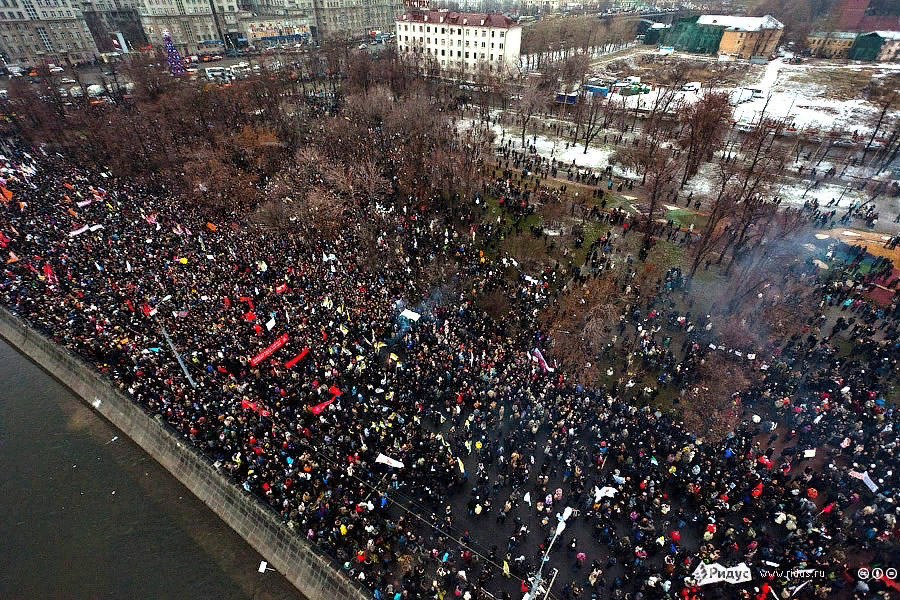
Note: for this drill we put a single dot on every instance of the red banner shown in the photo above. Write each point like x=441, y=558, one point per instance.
x=270, y=350
x=318, y=408
x=296, y=359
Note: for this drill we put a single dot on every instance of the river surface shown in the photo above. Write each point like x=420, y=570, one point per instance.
x=86, y=514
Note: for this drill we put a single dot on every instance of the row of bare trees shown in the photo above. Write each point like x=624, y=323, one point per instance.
x=555, y=39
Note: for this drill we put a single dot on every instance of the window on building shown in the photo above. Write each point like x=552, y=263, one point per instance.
x=428, y=29
x=458, y=54
x=482, y=44
x=442, y=30
x=442, y=53
x=501, y=46
x=467, y=55
x=502, y=33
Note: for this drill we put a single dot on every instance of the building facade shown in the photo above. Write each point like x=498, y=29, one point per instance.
x=738, y=37
x=746, y=37
x=114, y=24
x=34, y=33
x=355, y=18
x=882, y=46
x=462, y=42
x=834, y=44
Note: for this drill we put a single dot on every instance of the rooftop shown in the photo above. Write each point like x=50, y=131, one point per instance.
x=888, y=35
x=741, y=23
x=835, y=35
x=460, y=18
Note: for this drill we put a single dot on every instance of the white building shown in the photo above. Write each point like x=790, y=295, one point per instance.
x=461, y=41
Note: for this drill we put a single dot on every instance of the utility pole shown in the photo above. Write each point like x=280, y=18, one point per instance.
x=178, y=358
x=536, y=581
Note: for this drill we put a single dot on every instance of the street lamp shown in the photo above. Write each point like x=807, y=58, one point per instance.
x=560, y=527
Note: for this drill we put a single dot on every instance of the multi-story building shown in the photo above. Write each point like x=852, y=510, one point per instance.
x=193, y=24
x=738, y=37
x=354, y=18
x=746, y=37
x=460, y=41
x=34, y=33
x=883, y=46
x=114, y=24
x=830, y=44
x=529, y=7
x=259, y=29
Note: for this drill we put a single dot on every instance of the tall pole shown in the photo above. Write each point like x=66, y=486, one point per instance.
x=178, y=358
x=536, y=581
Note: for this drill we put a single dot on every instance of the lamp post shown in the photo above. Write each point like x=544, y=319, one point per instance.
x=536, y=580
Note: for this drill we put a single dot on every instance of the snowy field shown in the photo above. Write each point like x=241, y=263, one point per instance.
x=552, y=147
x=802, y=104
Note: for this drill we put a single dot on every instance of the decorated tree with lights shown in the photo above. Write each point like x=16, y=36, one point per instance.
x=176, y=66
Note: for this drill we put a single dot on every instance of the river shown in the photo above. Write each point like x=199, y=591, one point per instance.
x=88, y=514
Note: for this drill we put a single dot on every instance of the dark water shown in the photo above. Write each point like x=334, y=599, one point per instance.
x=82, y=516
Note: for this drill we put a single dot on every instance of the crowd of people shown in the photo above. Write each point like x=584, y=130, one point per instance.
x=431, y=449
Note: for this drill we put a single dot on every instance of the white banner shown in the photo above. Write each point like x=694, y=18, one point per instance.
x=387, y=460
x=412, y=316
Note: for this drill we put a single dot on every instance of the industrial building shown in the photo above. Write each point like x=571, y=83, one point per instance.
x=737, y=37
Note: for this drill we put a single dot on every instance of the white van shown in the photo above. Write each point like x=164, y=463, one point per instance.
x=693, y=86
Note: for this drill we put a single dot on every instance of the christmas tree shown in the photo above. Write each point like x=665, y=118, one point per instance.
x=172, y=55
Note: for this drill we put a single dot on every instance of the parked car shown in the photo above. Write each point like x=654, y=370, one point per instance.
x=56, y=70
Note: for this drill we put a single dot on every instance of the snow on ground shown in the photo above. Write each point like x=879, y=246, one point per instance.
x=792, y=195
x=595, y=158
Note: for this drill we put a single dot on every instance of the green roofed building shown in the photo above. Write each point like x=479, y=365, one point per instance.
x=689, y=36
x=877, y=45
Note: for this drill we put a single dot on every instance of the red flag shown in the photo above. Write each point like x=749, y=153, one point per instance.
x=279, y=290
x=3, y=240
x=249, y=316
x=318, y=408
x=246, y=404
x=147, y=310
x=296, y=359
x=48, y=273
x=758, y=490
x=890, y=582
x=227, y=302
x=334, y=392
x=828, y=508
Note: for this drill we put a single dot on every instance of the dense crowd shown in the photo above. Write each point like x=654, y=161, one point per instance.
x=303, y=373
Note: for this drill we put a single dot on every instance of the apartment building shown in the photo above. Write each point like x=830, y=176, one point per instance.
x=460, y=41
x=34, y=32
x=830, y=44
x=354, y=18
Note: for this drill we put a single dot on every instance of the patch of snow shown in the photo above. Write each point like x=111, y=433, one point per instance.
x=595, y=158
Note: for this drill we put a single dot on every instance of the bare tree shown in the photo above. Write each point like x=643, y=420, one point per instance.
x=703, y=126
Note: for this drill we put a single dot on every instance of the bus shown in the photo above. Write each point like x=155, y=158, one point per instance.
x=217, y=73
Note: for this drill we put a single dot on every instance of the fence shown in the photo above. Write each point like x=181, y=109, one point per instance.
x=313, y=574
